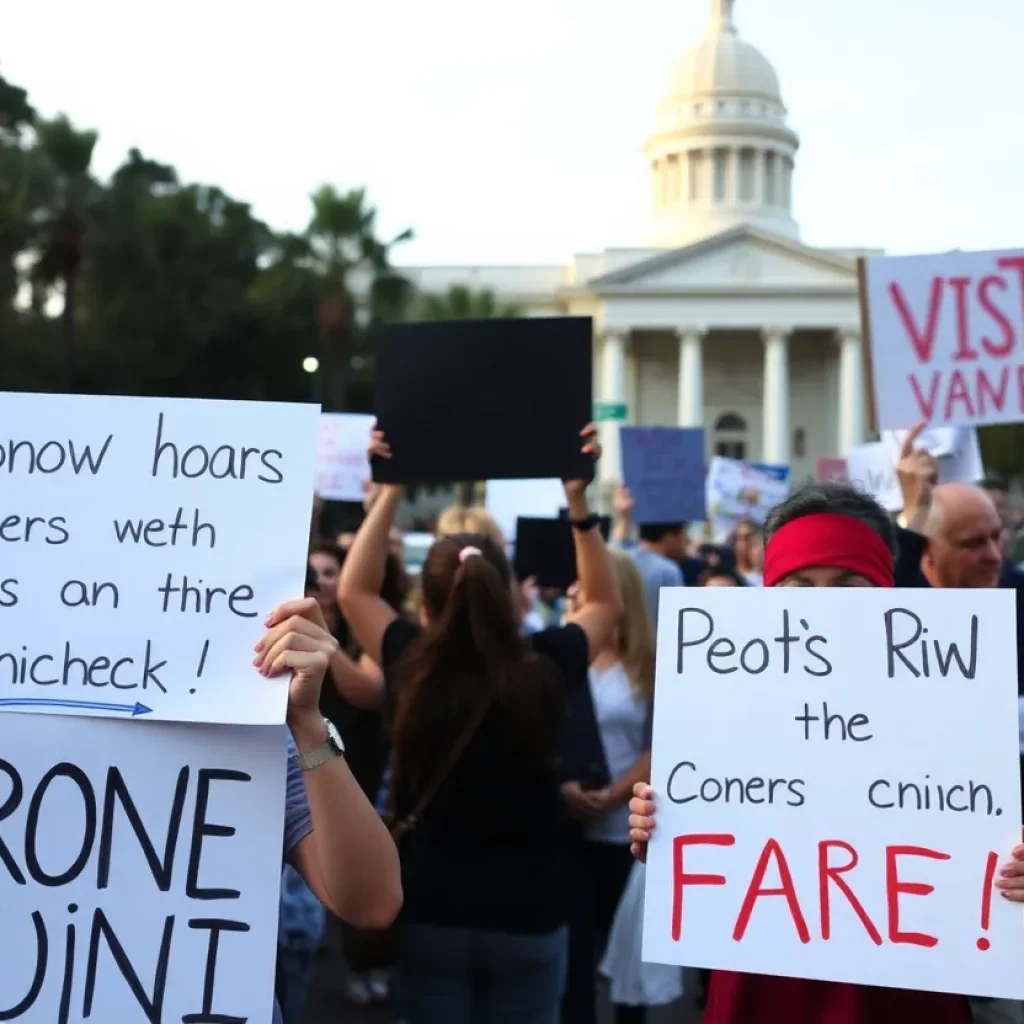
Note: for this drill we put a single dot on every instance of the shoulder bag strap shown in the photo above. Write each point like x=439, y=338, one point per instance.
x=406, y=824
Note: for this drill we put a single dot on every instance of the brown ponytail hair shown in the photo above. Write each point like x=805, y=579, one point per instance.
x=470, y=651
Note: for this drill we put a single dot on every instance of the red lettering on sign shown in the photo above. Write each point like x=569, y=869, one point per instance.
x=963, y=323
x=923, y=341
x=986, y=390
x=681, y=879
x=1003, y=348
x=834, y=873
x=894, y=888
x=756, y=890
x=966, y=394
x=1015, y=263
x=958, y=392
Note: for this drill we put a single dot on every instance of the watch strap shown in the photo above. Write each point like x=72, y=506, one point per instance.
x=587, y=523
x=331, y=748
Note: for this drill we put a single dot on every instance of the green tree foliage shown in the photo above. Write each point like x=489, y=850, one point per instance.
x=148, y=285
x=463, y=303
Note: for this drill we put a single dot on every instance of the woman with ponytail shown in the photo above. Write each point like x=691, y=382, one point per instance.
x=475, y=711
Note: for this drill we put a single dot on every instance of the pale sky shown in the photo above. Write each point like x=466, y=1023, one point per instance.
x=511, y=132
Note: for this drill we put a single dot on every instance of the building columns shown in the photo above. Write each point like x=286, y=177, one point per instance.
x=775, y=428
x=851, y=391
x=691, y=378
x=613, y=389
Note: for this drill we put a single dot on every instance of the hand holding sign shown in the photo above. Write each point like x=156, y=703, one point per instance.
x=298, y=640
x=918, y=473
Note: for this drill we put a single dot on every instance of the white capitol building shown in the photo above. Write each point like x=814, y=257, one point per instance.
x=726, y=320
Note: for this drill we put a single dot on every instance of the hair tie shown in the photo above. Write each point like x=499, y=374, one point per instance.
x=468, y=552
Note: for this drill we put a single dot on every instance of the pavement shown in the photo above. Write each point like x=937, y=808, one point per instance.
x=328, y=1005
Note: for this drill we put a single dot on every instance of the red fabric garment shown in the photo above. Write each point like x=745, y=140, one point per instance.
x=760, y=999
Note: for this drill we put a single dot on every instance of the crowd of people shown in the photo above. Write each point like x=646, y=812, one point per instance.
x=496, y=743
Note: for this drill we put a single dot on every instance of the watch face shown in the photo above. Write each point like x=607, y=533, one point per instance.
x=334, y=737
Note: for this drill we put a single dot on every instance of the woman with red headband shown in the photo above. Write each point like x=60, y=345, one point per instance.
x=823, y=535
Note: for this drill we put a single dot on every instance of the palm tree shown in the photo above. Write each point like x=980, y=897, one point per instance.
x=461, y=302
x=66, y=153
x=350, y=260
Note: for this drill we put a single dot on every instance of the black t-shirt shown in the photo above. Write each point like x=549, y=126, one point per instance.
x=486, y=853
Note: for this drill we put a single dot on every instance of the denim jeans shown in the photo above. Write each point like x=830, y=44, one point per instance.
x=474, y=976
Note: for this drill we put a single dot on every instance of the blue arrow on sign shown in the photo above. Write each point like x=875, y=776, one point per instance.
x=86, y=705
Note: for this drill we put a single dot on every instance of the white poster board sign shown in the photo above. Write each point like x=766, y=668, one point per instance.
x=872, y=467
x=342, y=468
x=736, y=490
x=150, y=856
x=507, y=500
x=836, y=775
x=144, y=542
x=947, y=338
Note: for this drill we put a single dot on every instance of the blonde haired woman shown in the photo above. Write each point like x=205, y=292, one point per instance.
x=456, y=520
x=599, y=862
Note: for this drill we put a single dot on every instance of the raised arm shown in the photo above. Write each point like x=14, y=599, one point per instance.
x=360, y=683
x=368, y=615
x=600, y=612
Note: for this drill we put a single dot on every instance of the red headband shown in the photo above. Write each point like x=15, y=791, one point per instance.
x=836, y=541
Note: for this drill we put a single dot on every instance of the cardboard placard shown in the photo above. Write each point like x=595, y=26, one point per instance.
x=947, y=336
x=664, y=469
x=144, y=542
x=837, y=782
x=484, y=399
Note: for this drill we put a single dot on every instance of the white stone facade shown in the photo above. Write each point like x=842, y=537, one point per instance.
x=726, y=320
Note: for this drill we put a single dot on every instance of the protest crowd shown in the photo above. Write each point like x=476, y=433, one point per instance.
x=630, y=640
x=499, y=719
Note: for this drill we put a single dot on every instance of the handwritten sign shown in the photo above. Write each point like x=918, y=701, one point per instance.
x=143, y=543
x=738, y=490
x=947, y=337
x=663, y=467
x=142, y=867
x=871, y=467
x=837, y=781
x=872, y=470
x=342, y=468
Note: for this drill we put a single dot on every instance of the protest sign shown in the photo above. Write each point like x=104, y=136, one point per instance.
x=342, y=466
x=947, y=335
x=871, y=468
x=738, y=490
x=143, y=543
x=142, y=868
x=832, y=469
x=663, y=467
x=837, y=782
x=507, y=500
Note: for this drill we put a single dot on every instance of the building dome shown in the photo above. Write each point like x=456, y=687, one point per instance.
x=722, y=64
x=721, y=152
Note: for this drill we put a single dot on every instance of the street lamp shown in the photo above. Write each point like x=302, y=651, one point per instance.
x=311, y=365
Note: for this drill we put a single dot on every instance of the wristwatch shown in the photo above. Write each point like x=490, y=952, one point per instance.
x=586, y=524
x=331, y=748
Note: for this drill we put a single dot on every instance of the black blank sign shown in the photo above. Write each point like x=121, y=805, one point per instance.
x=484, y=399
x=546, y=550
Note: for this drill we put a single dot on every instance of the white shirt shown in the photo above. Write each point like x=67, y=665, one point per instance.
x=621, y=720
